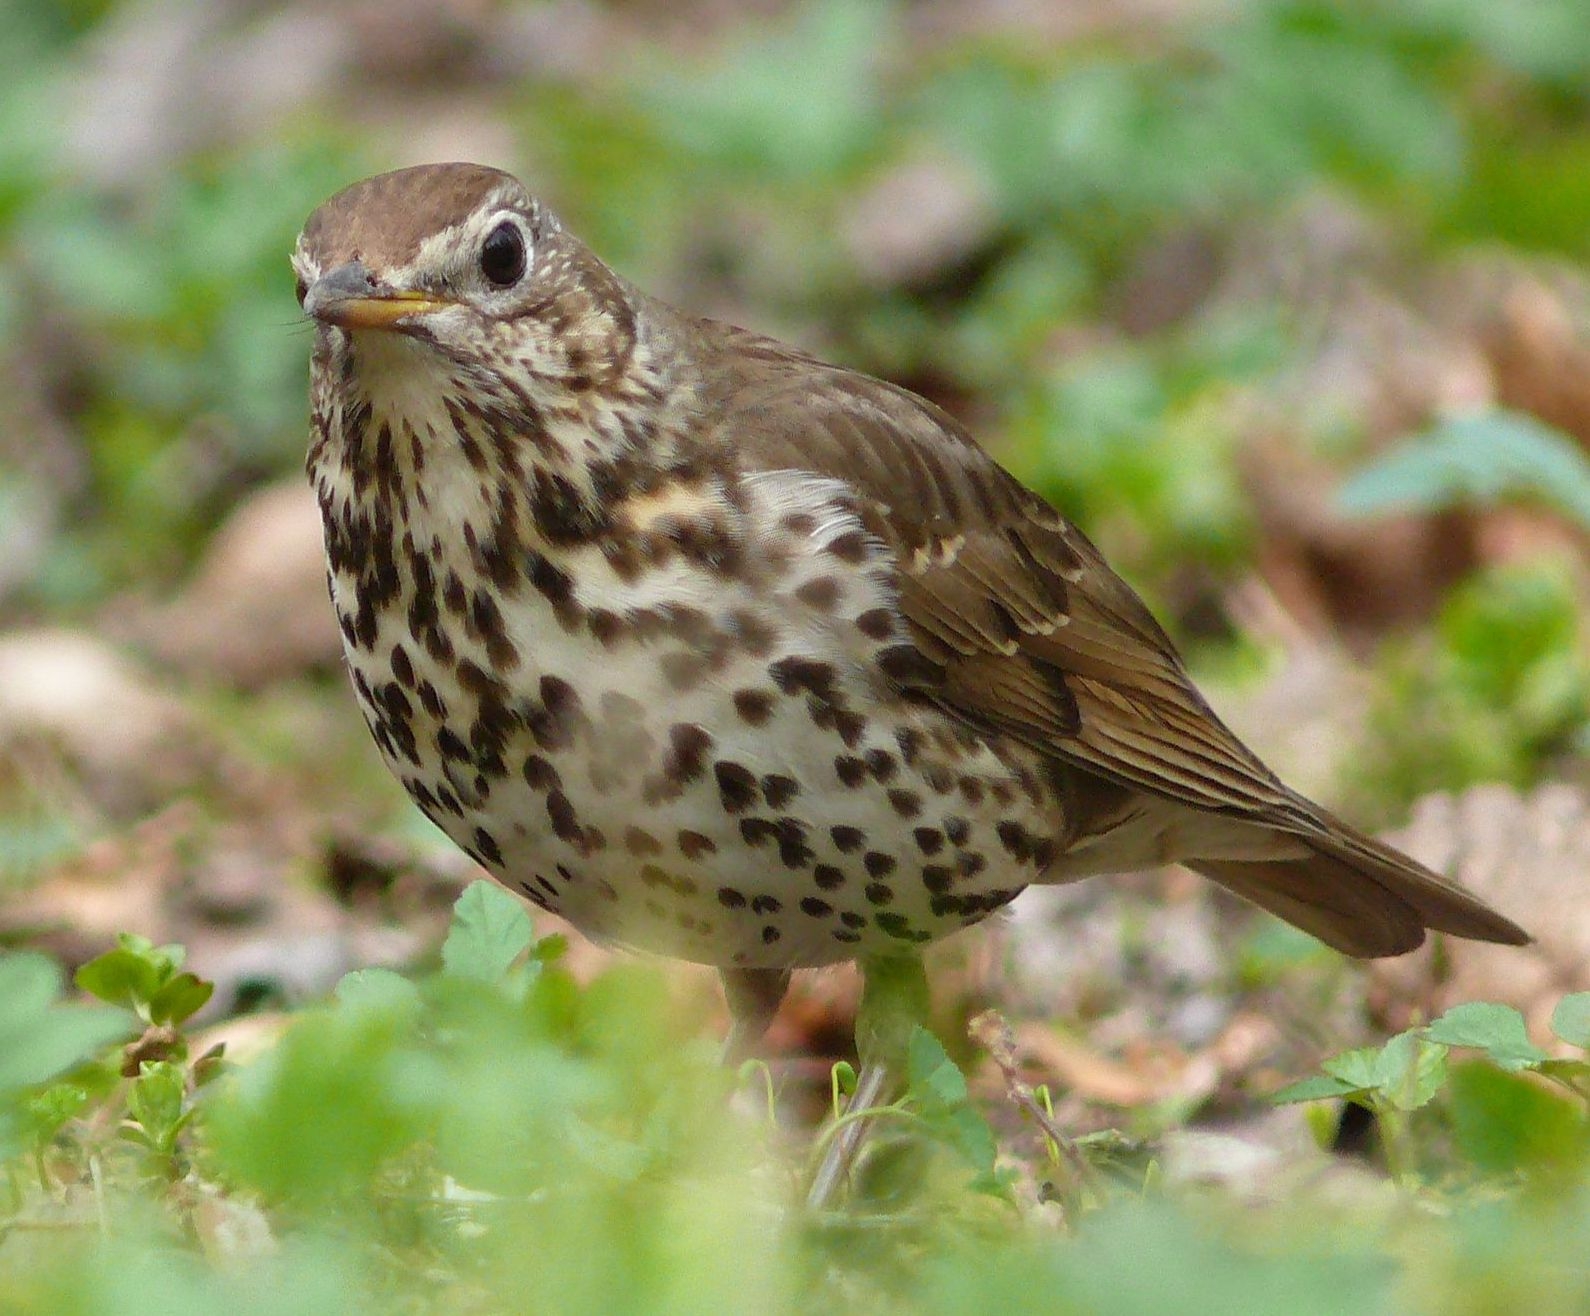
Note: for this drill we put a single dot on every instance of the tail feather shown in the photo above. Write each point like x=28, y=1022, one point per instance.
x=1361, y=896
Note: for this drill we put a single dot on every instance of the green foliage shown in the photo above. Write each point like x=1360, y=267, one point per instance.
x=40, y=1037
x=1132, y=448
x=1486, y=459
x=1501, y=688
x=145, y=978
x=493, y=1134
x=1520, y=1110
x=490, y=930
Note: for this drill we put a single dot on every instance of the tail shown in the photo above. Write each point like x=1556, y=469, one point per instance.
x=1360, y=896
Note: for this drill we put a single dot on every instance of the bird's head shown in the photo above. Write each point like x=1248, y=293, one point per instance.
x=456, y=271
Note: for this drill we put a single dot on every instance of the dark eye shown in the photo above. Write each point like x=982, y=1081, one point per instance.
x=502, y=254
x=301, y=289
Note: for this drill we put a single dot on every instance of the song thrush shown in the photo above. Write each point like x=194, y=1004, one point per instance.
x=724, y=652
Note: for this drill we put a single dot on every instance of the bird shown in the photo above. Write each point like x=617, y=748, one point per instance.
x=723, y=652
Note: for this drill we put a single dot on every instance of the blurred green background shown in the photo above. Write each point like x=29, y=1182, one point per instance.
x=1285, y=303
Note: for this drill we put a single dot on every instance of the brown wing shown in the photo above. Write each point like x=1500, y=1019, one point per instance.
x=1017, y=624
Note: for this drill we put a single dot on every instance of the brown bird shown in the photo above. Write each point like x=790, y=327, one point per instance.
x=721, y=651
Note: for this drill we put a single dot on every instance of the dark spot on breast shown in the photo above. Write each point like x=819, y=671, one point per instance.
x=897, y=926
x=821, y=593
x=778, y=790
x=755, y=636
x=766, y=905
x=846, y=838
x=801, y=524
x=540, y=775
x=1013, y=836
x=451, y=746
x=851, y=919
x=565, y=823
x=880, y=763
x=879, y=893
x=793, y=851
x=796, y=673
x=957, y=829
x=402, y=668
x=929, y=839
x=554, y=723
x=877, y=863
x=770, y=934
x=876, y=623
x=605, y=626
x=828, y=877
x=909, y=667
x=431, y=698
x=850, y=547
x=937, y=878
x=729, y=898
x=850, y=770
x=816, y=908
x=486, y=843
x=753, y=706
x=850, y=726
x=686, y=758
x=908, y=804
x=910, y=743
x=640, y=843
x=737, y=789
x=758, y=831
x=693, y=845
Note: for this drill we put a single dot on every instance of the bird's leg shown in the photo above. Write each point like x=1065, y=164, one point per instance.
x=753, y=996
x=894, y=1000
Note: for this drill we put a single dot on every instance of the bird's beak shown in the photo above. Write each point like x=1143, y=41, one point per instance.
x=350, y=297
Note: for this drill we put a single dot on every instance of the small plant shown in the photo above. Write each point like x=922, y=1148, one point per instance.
x=1517, y=1109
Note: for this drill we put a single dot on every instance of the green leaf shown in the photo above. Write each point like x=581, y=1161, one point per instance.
x=931, y=1075
x=183, y=996
x=122, y=976
x=1409, y=1071
x=40, y=1038
x=1359, y=1069
x=1504, y=1121
x=490, y=930
x=968, y=1132
x=156, y=1100
x=377, y=989
x=1321, y=1087
x=1571, y=1019
x=1498, y=1030
x=1484, y=458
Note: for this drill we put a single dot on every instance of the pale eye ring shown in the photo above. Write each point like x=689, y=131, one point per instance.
x=502, y=255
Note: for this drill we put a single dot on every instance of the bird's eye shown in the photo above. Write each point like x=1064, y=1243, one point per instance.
x=301, y=289
x=502, y=255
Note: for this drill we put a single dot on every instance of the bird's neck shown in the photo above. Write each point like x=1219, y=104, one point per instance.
x=407, y=440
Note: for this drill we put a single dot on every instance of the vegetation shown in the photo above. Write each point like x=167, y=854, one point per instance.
x=1283, y=302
